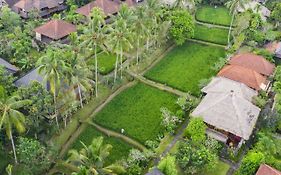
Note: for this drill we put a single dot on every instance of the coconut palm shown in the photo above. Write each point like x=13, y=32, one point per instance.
x=140, y=28
x=79, y=77
x=183, y=3
x=233, y=6
x=53, y=67
x=11, y=117
x=92, y=158
x=95, y=37
x=121, y=37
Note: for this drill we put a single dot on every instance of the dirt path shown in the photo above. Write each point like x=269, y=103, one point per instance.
x=157, y=85
x=83, y=126
x=176, y=138
x=118, y=135
x=207, y=43
x=212, y=25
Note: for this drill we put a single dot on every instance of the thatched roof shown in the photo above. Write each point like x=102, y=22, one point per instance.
x=225, y=85
x=228, y=112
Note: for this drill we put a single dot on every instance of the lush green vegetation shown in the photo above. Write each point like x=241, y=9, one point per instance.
x=4, y=160
x=211, y=34
x=209, y=14
x=221, y=169
x=120, y=148
x=106, y=62
x=137, y=111
x=186, y=65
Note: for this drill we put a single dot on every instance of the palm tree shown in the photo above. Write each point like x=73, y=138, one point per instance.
x=121, y=37
x=233, y=6
x=95, y=36
x=79, y=77
x=11, y=117
x=53, y=67
x=92, y=158
x=182, y=3
x=140, y=28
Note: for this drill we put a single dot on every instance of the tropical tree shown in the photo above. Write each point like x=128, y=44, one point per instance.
x=121, y=38
x=95, y=37
x=92, y=158
x=140, y=28
x=233, y=6
x=10, y=116
x=53, y=67
x=183, y=3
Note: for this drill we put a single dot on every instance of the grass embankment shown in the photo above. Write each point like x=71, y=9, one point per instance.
x=184, y=66
x=137, y=111
x=211, y=34
x=212, y=15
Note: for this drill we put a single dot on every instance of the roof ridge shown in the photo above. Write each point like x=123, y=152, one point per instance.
x=238, y=113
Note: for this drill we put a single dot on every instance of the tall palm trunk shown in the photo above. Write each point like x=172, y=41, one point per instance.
x=121, y=61
x=116, y=67
x=230, y=28
x=138, y=46
x=80, y=96
x=96, y=71
x=56, y=112
x=13, y=145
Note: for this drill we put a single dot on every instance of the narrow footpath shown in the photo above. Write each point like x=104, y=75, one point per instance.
x=156, y=85
x=118, y=135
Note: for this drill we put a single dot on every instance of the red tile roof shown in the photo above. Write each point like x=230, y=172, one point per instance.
x=56, y=29
x=38, y=4
x=255, y=62
x=109, y=7
x=244, y=75
x=267, y=170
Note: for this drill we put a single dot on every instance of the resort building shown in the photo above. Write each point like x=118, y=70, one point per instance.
x=244, y=75
x=230, y=118
x=27, y=79
x=225, y=85
x=254, y=62
x=109, y=7
x=43, y=7
x=54, y=30
x=9, y=67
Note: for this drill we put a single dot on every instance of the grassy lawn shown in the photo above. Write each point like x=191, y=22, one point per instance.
x=212, y=15
x=214, y=35
x=106, y=63
x=120, y=149
x=186, y=65
x=137, y=110
x=221, y=169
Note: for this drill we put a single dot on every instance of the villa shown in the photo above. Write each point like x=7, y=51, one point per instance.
x=43, y=7
x=254, y=62
x=27, y=79
x=9, y=67
x=229, y=117
x=54, y=30
x=225, y=85
x=109, y=7
x=244, y=75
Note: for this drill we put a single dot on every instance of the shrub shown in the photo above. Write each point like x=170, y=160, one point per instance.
x=196, y=130
x=168, y=166
x=251, y=163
